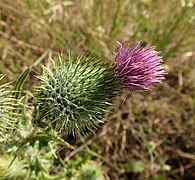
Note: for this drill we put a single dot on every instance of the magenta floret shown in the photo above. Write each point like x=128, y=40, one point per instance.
x=139, y=69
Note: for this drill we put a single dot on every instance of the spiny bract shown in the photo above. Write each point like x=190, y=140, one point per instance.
x=75, y=96
x=8, y=106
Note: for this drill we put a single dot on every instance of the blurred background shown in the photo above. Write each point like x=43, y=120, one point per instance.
x=148, y=135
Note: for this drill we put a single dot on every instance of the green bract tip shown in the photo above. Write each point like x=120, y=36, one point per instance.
x=75, y=95
x=8, y=106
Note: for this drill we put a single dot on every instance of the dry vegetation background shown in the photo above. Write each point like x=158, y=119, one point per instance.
x=149, y=135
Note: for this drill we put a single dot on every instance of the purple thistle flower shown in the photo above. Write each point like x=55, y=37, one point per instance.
x=139, y=69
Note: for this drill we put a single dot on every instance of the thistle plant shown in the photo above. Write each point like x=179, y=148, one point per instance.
x=75, y=96
x=139, y=69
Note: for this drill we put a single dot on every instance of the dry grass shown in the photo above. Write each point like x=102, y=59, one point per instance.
x=155, y=129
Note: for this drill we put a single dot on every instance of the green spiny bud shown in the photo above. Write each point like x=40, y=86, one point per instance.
x=75, y=95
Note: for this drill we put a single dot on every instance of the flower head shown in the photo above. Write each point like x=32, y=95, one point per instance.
x=139, y=69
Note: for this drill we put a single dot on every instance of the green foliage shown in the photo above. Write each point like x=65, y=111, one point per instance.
x=15, y=172
x=76, y=95
x=90, y=171
x=82, y=168
x=73, y=167
x=33, y=161
x=135, y=167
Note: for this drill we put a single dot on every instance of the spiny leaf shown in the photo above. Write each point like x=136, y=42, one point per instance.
x=20, y=82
